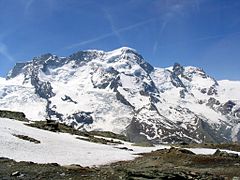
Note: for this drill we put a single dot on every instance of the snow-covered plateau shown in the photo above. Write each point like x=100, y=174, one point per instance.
x=119, y=91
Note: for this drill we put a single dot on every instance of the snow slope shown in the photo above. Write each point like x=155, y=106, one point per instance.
x=60, y=148
x=229, y=90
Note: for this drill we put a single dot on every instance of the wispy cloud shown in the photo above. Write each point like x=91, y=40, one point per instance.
x=27, y=6
x=166, y=11
x=107, y=35
x=4, y=51
x=197, y=5
x=2, y=35
x=170, y=10
x=112, y=25
x=237, y=33
x=203, y=38
x=155, y=45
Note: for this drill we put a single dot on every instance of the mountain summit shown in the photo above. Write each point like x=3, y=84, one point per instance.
x=119, y=91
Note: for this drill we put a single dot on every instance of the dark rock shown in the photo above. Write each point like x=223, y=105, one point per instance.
x=139, y=59
x=43, y=89
x=13, y=115
x=115, y=83
x=177, y=69
x=204, y=90
x=150, y=88
x=227, y=107
x=237, y=113
x=133, y=132
x=208, y=133
x=176, y=81
x=179, y=150
x=212, y=101
x=122, y=99
x=225, y=154
x=212, y=91
x=85, y=55
x=108, y=77
x=68, y=98
x=143, y=93
x=184, y=143
x=182, y=93
x=201, y=72
x=82, y=117
x=52, y=125
x=27, y=138
x=125, y=148
x=54, y=164
x=51, y=112
x=154, y=99
x=17, y=69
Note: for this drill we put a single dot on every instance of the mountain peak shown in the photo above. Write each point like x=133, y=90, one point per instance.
x=119, y=91
x=45, y=56
x=125, y=50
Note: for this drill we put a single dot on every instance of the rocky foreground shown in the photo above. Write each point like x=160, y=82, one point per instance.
x=174, y=163
x=178, y=162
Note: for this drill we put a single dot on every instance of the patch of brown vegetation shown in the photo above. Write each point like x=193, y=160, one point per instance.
x=171, y=163
x=27, y=138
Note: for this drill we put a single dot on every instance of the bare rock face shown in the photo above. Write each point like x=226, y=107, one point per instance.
x=212, y=102
x=212, y=90
x=237, y=113
x=227, y=107
x=177, y=69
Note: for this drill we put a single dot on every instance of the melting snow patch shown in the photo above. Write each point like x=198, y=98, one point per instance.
x=59, y=148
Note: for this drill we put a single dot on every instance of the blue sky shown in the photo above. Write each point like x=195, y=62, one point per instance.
x=204, y=33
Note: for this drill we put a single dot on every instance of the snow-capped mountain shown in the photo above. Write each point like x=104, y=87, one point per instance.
x=119, y=91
